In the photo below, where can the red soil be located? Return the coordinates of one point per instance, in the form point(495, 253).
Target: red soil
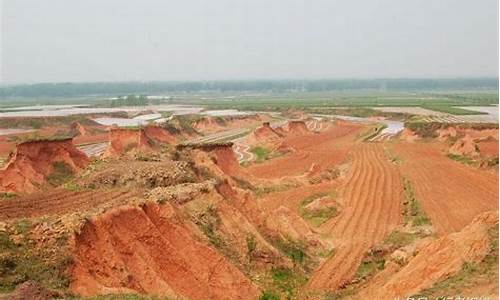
point(297, 127)
point(436, 261)
point(371, 199)
point(123, 140)
point(326, 149)
point(465, 146)
point(488, 148)
point(159, 134)
point(78, 130)
point(33, 161)
point(218, 158)
point(444, 134)
point(408, 135)
point(148, 250)
point(451, 193)
point(265, 135)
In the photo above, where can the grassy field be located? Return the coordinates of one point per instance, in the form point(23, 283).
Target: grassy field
point(361, 101)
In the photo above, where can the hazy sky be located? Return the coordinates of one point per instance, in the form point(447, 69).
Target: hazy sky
point(118, 40)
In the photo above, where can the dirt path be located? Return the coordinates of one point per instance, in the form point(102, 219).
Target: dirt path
point(372, 196)
point(57, 202)
point(242, 151)
point(451, 193)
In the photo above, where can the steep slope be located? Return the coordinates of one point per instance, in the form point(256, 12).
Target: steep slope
point(123, 141)
point(435, 261)
point(149, 250)
point(33, 161)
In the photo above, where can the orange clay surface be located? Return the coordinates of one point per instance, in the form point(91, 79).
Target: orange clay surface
point(371, 199)
point(326, 149)
point(451, 193)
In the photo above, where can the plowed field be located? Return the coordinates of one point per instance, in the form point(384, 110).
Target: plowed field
point(451, 193)
point(372, 198)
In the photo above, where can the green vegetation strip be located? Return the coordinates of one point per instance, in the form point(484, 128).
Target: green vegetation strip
point(453, 110)
point(318, 216)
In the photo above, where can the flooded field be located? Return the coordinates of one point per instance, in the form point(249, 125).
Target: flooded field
point(67, 110)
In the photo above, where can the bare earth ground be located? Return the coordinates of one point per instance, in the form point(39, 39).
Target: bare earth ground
point(451, 193)
point(371, 197)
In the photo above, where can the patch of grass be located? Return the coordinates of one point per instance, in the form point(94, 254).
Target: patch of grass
point(251, 245)
point(287, 281)
point(268, 295)
point(398, 239)
point(261, 191)
point(413, 212)
point(295, 250)
point(461, 159)
point(208, 221)
point(61, 173)
point(6, 196)
point(317, 216)
point(261, 153)
point(21, 261)
point(72, 187)
point(373, 262)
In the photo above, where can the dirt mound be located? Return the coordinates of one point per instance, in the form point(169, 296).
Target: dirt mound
point(436, 261)
point(266, 133)
point(122, 141)
point(217, 157)
point(32, 291)
point(159, 134)
point(34, 161)
point(297, 127)
point(287, 224)
point(465, 146)
point(143, 174)
point(148, 250)
point(77, 129)
point(211, 124)
point(445, 133)
point(408, 135)
point(488, 147)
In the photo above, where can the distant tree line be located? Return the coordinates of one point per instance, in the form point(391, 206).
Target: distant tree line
point(155, 87)
point(130, 100)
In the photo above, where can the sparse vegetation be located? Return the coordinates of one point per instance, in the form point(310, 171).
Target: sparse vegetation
point(373, 262)
point(261, 153)
point(261, 191)
point(413, 212)
point(461, 159)
point(62, 173)
point(470, 275)
point(295, 250)
point(20, 261)
point(268, 295)
point(320, 215)
point(251, 245)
